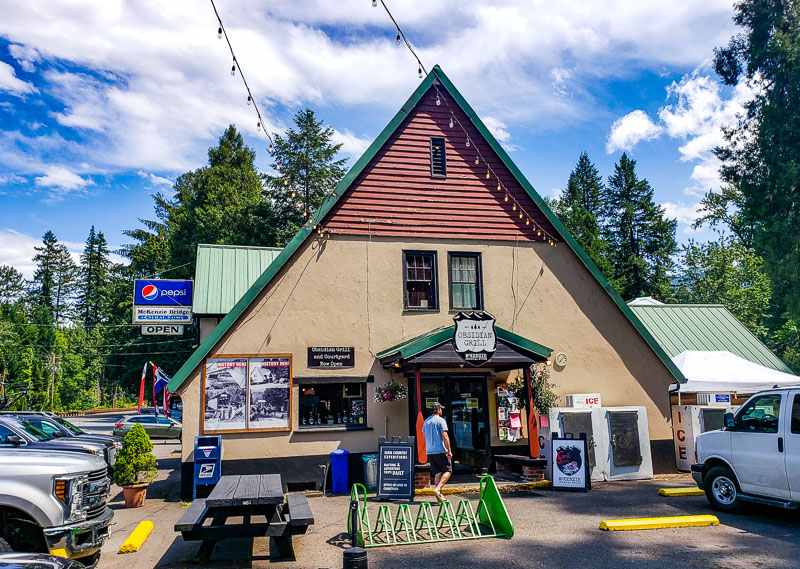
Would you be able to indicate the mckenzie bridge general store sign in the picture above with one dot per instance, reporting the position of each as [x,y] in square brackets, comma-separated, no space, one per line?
[474,338]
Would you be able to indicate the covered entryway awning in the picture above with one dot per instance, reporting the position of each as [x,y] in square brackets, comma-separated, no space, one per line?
[435,349]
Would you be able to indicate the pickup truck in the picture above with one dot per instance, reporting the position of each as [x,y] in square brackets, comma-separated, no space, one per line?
[54,502]
[756,456]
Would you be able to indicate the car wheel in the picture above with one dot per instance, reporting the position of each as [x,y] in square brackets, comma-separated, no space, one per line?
[722,490]
[4,547]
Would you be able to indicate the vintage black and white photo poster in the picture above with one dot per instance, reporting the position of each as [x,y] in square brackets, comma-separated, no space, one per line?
[270,388]
[225,395]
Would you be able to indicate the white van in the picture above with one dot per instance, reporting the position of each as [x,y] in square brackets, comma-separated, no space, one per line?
[756,456]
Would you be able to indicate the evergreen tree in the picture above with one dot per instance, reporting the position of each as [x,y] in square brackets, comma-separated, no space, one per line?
[579,208]
[727,272]
[310,172]
[761,155]
[93,297]
[12,284]
[641,239]
[44,279]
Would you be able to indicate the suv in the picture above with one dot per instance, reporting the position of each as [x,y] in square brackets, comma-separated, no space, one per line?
[756,457]
[16,432]
[54,502]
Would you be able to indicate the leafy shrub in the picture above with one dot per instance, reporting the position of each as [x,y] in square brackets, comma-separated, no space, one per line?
[135,463]
[541,390]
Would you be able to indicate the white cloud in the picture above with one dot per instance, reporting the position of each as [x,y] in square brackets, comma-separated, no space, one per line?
[149,84]
[25,56]
[351,143]
[155,180]
[11,83]
[61,182]
[630,130]
[686,214]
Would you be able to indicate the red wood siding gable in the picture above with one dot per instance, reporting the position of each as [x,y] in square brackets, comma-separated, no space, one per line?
[396,194]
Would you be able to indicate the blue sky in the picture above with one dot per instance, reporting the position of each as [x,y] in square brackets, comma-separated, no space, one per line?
[104,102]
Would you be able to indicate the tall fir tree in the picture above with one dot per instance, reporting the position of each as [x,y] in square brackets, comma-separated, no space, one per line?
[309,169]
[760,199]
[44,278]
[641,238]
[92,304]
[579,208]
[12,284]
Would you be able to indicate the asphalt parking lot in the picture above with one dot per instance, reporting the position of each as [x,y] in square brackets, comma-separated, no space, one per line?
[553,530]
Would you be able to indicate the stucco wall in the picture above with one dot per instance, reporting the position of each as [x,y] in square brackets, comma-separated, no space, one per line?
[348,291]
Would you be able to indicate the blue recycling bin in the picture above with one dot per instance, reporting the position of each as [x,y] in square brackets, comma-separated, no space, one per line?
[207,461]
[339,473]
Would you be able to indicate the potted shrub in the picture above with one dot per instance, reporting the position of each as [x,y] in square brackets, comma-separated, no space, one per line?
[135,467]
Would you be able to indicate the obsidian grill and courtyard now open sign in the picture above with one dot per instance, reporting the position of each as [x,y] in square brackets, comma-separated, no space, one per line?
[330,357]
[474,338]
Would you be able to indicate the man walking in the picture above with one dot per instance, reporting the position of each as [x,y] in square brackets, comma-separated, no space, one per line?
[437,445]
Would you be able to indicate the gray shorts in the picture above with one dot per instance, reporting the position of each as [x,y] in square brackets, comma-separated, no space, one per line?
[440,463]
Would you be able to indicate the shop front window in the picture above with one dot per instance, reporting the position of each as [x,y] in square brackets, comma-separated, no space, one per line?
[420,280]
[332,405]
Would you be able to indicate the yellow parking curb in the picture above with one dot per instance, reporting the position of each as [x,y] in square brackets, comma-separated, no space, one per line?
[511,487]
[137,537]
[659,523]
[674,492]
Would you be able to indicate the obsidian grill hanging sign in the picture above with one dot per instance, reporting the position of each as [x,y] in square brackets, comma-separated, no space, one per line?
[474,339]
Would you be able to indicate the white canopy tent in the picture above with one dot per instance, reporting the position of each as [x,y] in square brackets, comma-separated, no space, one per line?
[721,371]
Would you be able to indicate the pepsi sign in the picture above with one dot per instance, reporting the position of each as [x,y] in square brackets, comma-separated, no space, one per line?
[162,293]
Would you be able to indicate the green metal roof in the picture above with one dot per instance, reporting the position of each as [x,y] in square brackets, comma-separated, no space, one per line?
[438,336]
[435,75]
[225,272]
[712,327]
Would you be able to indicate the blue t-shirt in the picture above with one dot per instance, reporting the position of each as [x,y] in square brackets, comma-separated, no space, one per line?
[432,428]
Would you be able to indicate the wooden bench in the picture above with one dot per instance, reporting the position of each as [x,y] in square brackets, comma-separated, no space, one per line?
[531,469]
[246,497]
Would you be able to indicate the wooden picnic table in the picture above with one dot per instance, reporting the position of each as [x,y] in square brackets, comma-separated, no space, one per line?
[251,505]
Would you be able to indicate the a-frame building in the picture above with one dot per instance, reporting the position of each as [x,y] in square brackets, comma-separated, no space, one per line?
[434,219]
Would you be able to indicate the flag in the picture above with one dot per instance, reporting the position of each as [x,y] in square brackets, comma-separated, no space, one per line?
[141,387]
[160,379]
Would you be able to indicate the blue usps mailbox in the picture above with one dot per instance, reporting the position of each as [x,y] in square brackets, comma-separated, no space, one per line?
[207,461]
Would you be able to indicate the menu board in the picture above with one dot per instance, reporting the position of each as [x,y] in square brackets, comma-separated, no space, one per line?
[396,470]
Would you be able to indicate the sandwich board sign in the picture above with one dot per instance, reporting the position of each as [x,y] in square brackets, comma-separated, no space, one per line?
[569,464]
[395,469]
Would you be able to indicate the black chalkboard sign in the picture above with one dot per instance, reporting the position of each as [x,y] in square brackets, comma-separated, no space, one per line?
[396,470]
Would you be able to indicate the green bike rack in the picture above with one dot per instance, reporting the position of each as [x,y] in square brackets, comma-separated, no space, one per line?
[433,522]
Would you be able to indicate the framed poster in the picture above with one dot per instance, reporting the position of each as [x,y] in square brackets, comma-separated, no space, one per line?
[270,389]
[244,393]
[568,460]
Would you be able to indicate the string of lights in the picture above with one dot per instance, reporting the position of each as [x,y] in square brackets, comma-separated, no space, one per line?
[260,125]
[502,189]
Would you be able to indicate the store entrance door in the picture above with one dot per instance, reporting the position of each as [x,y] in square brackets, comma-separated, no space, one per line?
[467,416]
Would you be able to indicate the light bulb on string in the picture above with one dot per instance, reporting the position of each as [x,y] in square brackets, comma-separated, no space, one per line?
[285,181]
[438,100]
[233,69]
[528,221]
[278,166]
[305,213]
[374,3]
[292,194]
[451,120]
[270,147]
[520,214]
[488,174]
[258,126]
[506,199]
[477,160]
[514,207]
[249,100]
[420,72]
[467,142]
[219,33]
[539,233]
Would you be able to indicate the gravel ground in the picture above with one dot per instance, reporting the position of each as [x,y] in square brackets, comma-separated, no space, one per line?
[553,530]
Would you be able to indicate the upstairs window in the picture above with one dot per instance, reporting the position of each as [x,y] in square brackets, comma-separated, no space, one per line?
[419,276]
[438,157]
[465,281]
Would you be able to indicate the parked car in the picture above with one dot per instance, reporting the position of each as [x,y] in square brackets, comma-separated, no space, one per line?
[54,502]
[159,427]
[756,456]
[67,428]
[37,561]
[50,427]
[16,432]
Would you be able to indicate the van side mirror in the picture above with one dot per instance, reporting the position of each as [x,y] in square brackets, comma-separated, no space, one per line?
[14,440]
[730,422]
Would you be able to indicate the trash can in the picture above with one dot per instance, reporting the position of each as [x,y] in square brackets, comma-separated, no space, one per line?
[370,471]
[339,478]
[207,461]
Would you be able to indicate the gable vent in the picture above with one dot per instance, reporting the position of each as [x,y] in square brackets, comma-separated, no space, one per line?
[438,158]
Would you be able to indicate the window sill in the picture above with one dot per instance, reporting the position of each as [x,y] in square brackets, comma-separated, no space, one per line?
[420,310]
[332,428]
[457,310]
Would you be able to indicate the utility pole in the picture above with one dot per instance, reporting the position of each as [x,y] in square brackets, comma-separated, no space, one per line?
[53,384]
